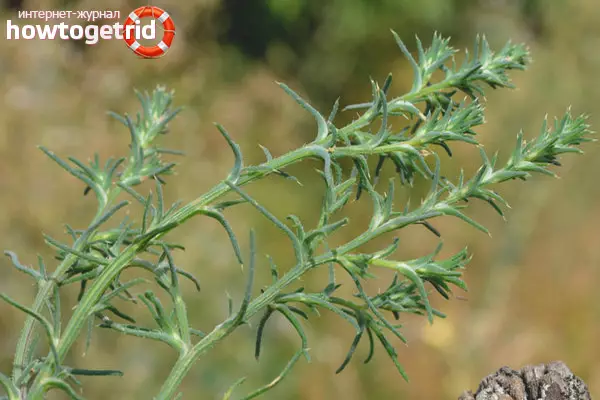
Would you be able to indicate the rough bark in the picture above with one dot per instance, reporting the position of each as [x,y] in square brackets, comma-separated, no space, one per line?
[553,381]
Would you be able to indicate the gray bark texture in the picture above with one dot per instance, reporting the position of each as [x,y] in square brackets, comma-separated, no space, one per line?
[553,381]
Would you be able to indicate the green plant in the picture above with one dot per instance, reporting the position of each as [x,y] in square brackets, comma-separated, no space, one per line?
[97,255]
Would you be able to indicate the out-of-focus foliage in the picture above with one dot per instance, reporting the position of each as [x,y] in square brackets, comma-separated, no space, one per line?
[533,294]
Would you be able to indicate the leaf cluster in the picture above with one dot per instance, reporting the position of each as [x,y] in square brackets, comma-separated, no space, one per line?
[434,117]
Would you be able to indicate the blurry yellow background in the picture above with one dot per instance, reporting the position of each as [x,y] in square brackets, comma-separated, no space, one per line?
[533,287]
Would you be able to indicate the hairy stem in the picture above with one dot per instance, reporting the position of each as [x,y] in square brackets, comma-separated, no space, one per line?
[45,291]
[184,363]
[102,283]
[110,272]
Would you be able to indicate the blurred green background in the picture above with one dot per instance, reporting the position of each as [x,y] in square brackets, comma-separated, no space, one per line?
[533,287]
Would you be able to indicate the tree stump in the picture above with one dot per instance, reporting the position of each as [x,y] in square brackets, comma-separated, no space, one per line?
[553,381]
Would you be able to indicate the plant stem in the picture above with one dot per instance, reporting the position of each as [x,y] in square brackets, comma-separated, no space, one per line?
[45,290]
[182,320]
[101,284]
[184,363]
[187,360]
[82,313]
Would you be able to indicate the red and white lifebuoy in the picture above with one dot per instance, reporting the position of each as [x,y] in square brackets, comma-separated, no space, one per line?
[168,27]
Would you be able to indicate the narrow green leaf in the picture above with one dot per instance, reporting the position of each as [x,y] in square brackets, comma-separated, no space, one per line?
[325,156]
[189,276]
[217,215]
[417,79]
[321,122]
[119,313]
[11,390]
[334,110]
[327,304]
[234,386]
[158,316]
[95,372]
[163,169]
[372,307]
[137,150]
[297,326]
[234,175]
[100,194]
[160,201]
[107,297]
[226,204]
[105,217]
[87,170]
[387,84]
[324,231]
[408,272]
[88,334]
[295,241]
[371,346]
[133,330]
[260,330]
[267,153]
[391,351]
[45,325]
[198,333]
[147,214]
[56,383]
[351,351]
[239,318]
[449,210]
[117,117]
[383,133]
[278,379]
[23,268]
[67,249]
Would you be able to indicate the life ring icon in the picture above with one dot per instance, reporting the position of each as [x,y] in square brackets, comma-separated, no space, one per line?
[168,27]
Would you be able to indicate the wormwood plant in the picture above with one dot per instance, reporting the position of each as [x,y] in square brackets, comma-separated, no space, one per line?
[96,256]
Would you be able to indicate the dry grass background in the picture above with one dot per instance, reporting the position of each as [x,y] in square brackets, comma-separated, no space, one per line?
[533,288]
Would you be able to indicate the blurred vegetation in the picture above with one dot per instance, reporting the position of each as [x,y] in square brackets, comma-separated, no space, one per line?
[533,295]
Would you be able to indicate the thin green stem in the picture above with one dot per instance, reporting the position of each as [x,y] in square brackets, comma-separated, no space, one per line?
[101,284]
[189,354]
[44,292]
[189,210]
[393,265]
[9,387]
[182,320]
[187,359]
[82,313]
[46,289]
[185,363]
[424,91]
